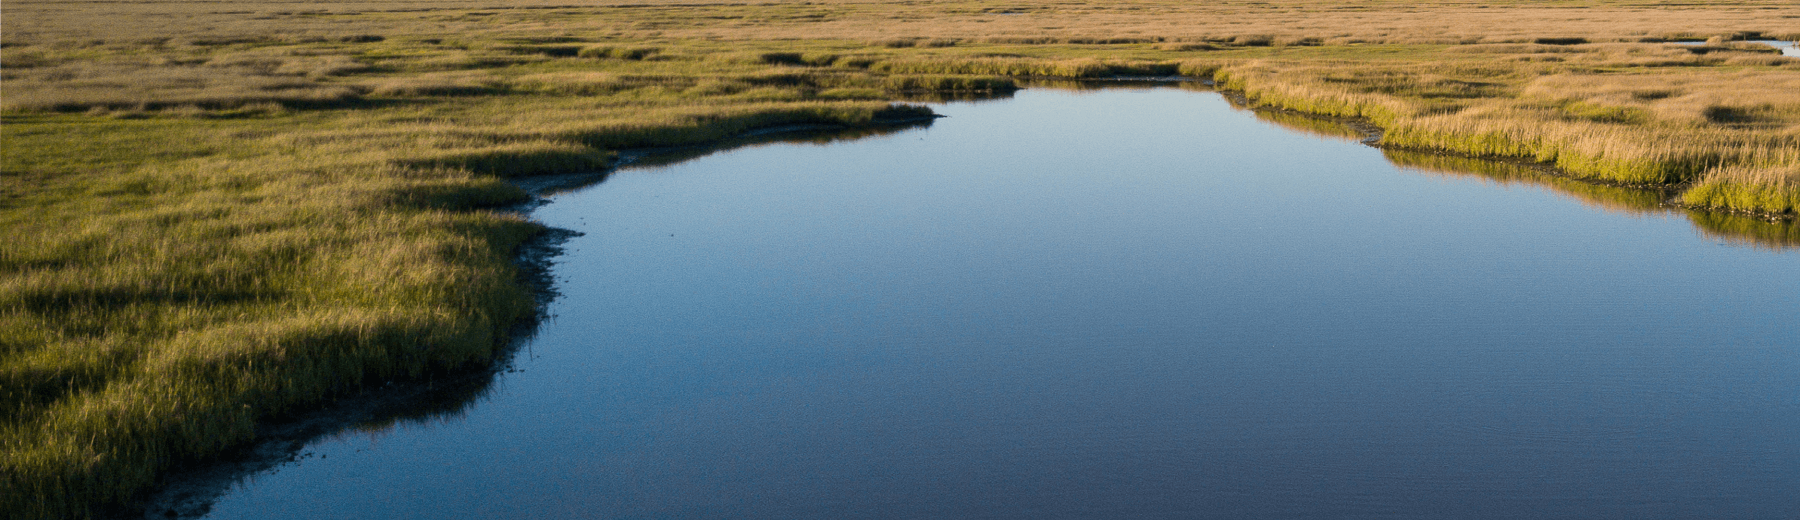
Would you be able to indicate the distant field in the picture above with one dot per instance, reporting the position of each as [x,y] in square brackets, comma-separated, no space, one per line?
[273,203]
[1377,21]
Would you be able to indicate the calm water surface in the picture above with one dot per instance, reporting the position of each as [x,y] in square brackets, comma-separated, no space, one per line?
[1117,303]
[1787,48]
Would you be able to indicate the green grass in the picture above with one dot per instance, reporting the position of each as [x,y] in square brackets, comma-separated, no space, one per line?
[172,279]
[154,307]
[1774,189]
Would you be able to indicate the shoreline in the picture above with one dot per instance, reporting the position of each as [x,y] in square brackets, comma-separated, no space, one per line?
[189,490]
[284,443]
[1373,133]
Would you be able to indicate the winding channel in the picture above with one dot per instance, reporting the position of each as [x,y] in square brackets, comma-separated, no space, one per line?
[1124,302]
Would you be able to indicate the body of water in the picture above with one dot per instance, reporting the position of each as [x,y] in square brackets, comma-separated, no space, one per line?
[1136,302]
[1787,48]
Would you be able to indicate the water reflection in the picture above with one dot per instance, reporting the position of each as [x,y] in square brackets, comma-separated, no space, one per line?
[1095,85]
[1736,229]
[1756,232]
[954,97]
[1618,199]
[808,136]
[1316,126]
[1732,228]
[548,185]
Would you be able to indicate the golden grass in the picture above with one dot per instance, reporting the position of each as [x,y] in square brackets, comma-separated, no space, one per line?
[1768,188]
[153,311]
[217,214]
[878,22]
[153,315]
[1594,113]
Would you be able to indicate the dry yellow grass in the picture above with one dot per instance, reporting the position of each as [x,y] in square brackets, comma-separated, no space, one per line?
[1596,110]
[1249,21]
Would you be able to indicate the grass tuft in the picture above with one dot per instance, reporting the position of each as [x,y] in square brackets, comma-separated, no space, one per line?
[1767,189]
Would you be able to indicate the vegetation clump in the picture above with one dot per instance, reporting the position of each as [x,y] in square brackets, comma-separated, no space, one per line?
[1598,112]
[1773,189]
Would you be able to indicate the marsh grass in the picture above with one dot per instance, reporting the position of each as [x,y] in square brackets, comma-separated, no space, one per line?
[1770,188]
[215,217]
[171,280]
[156,316]
[1597,112]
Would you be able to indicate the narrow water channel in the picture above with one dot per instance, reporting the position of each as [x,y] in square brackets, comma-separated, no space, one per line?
[1113,303]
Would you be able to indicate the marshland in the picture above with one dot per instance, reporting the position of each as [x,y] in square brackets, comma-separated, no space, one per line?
[220,216]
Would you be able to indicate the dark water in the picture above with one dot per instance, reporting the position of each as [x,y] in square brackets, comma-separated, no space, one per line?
[1117,303]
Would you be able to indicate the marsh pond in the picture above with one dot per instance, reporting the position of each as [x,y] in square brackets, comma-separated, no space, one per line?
[1137,302]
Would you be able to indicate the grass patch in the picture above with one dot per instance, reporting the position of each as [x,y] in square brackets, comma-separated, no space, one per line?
[173,278]
[1769,189]
[1599,115]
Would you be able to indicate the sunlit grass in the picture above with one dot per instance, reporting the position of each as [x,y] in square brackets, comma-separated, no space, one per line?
[1774,188]
[1592,114]
[178,278]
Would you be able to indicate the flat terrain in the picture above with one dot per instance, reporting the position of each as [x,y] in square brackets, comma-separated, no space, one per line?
[221,212]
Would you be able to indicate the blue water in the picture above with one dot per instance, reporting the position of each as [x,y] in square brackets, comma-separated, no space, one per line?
[1102,304]
[1787,48]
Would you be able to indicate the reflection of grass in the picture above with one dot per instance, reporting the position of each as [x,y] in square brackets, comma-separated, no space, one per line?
[793,135]
[1308,124]
[254,209]
[1611,198]
[1778,234]
[1774,189]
